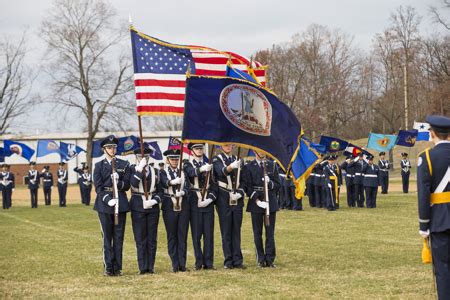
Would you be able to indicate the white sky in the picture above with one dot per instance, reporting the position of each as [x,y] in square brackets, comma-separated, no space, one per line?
[243,26]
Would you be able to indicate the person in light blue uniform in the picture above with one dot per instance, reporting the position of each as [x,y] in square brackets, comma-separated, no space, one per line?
[105,202]
[433,192]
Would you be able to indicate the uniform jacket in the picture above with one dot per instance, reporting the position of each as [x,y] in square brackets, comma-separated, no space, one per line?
[33,178]
[85,180]
[7,181]
[405,165]
[371,174]
[358,167]
[197,181]
[103,185]
[348,167]
[154,188]
[383,165]
[62,176]
[47,179]
[254,184]
[169,191]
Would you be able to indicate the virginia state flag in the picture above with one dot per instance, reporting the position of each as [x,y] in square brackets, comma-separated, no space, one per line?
[69,151]
[302,166]
[225,110]
[333,144]
[381,142]
[407,138]
[46,147]
[12,147]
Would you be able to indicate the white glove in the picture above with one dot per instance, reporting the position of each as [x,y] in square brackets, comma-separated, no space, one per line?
[262,204]
[149,203]
[51,187]
[329,185]
[43,171]
[179,194]
[356,158]
[175,181]
[235,196]
[13,190]
[267,178]
[141,165]
[235,164]
[425,234]
[153,202]
[115,176]
[205,168]
[112,202]
[205,202]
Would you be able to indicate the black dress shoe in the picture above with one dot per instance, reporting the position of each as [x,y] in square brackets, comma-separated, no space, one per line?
[118,273]
[228,267]
[241,266]
[151,271]
[209,268]
[198,268]
[261,265]
[142,272]
[183,269]
[108,273]
[271,265]
[174,270]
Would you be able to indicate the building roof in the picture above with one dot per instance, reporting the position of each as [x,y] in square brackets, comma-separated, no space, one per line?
[84,135]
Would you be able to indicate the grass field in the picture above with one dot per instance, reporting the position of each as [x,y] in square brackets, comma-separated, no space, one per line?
[53,252]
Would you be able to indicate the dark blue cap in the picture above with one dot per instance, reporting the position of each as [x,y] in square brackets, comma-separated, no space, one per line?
[439,123]
[147,150]
[172,153]
[109,141]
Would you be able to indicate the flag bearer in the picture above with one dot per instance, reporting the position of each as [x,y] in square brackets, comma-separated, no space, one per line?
[358,165]
[62,184]
[405,165]
[85,182]
[349,175]
[33,184]
[371,181]
[47,182]
[433,191]
[383,164]
[7,185]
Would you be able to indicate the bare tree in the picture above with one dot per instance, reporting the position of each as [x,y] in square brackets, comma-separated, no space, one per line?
[15,83]
[439,12]
[86,76]
[168,123]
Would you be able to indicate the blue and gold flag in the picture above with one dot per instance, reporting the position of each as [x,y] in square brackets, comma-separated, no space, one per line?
[302,166]
[407,138]
[224,110]
[332,144]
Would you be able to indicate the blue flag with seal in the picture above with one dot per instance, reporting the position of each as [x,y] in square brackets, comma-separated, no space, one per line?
[127,145]
[381,142]
[302,166]
[224,110]
[407,138]
[69,151]
[12,147]
[46,147]
[332,144]
[97,150]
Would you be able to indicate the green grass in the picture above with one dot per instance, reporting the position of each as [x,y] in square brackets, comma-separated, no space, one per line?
[53,252]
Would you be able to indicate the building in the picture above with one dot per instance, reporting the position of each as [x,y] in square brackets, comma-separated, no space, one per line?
[19,165]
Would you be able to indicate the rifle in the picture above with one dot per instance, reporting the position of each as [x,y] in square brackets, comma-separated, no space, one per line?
[115,192]
[235,183]
[177,203]
[266,195]
[208,175]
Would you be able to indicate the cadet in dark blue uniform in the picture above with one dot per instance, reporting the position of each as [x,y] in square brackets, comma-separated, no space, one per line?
[371,181]
[47,182]
[433,189]
[62,184]
[202,211]
[405,165]
[230,203]
[7,185]
[33,184]
[254,181]
[85,182]
[175,207]
[145,211]
[333,180]
[349,175]
[310,188]
[383,164]
[319,195]
[113,234]
[358,165]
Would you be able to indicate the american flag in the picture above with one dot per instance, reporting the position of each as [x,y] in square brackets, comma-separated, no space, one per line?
[160,71]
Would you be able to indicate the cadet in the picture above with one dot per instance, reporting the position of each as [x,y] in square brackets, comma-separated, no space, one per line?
[319,195]
[7,185]
[405,165]
[310,188]
[349,175]
[433,190]
[145,211]
[282,193]
[254,181]
[358,165]
[47,182]
[33,184]
[230,203]
[383,164]
[104,177]
[62,184]
[371,181]
[333,179]
[85,182]
[175,209]
[202,210]
[80,172]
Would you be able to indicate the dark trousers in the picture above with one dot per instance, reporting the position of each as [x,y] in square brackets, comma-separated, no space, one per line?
[230,220]
[177,226]
[371,196]
[264,254]
[405,181]
[440,250]
[350,194]
[384,181]
[298,204]
[359,195]
[286,201]
[86,195]
[202,226]
[34,198]
[113,236]
[330,202]
[318,197]
[48,195]
[310,193]
[62,191]
[6,197]
[145,230]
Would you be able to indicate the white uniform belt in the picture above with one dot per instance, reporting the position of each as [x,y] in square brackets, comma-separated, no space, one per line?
[357,174]
[370,175]
[384,170]
[224,186]
[46,180]
[349,175]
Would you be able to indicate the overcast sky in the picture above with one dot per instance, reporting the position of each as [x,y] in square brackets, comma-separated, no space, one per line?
[241,26]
